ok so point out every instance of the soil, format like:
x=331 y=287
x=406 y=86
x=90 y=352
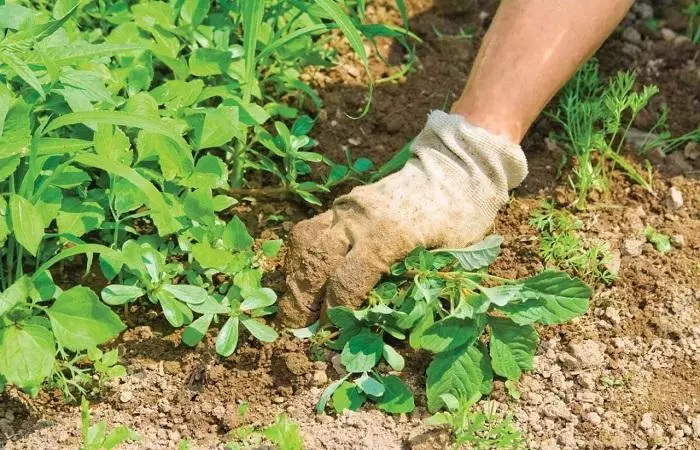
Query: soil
x=623 y=376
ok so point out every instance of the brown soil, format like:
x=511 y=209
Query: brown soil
x=624 y=376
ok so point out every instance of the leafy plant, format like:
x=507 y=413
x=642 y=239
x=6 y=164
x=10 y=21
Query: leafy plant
x=476 y=324
x=284 y=434
x=595 y=119
x=125 y=130
x=561 y=245
x=97 y=437
x=479 y=429
x=660 y=241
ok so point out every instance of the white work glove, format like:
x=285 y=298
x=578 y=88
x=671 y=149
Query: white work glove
x=446 y=196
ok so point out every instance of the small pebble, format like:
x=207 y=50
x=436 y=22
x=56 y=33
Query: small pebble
x=678 y=240
x=126 y=396
x=646 y=422
x=668 y=34
x=632 y=35
x=675 y=198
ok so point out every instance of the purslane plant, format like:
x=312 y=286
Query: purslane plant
x=477 y=325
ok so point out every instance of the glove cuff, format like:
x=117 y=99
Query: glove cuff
x=500 y=160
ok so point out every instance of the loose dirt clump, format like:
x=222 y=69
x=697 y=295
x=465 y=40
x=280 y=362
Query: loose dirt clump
x=623 y=376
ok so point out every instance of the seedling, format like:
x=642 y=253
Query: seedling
x=477 y=325
x=660 y=241
x=97 y=437
x=479 y=429
x=561 y=245
x=595 y=120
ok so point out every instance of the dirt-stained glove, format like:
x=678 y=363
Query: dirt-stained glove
x=446 y=196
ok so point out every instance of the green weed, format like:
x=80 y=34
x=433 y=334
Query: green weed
x=477 y=325
x=693 y=28
x=478 y=429
x=660 y=241
x=561 y=245
x=595 y=119
x=127 y=131
x=98 y=437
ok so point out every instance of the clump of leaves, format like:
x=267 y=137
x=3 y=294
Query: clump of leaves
x=98 y=437
x=660 y=241
x=479 y=429
x=595 y=119
x=284 y=434
x=562 y=246
x=477 y=325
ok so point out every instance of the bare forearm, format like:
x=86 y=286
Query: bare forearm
x=531 y=49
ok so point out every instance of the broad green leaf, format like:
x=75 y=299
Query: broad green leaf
x=175 y=312
x=209 y=173
x=550 y=298
x=397 y=396
x=79 y=52
x=209 y=257
x=393 y=358
x=450 y=333
x=227 y=340
x=22 y=70
x=71 y=177
x=26 y=355
x=416 y=337
x=258 y=329
x=174 y=161
x=195 y=331
x=478 y=255
x=236 y=236
x=126 y=197
x=362 y=352
x=206 y=62
x=13 y=16
x=16 y=293
x=342 y=317
x=27 y=223
x=520 y=341
x=16 y=131
x=8 y=166
x=177 y=94
x=459 y=372
x=199 y=207
x=326 y=395
x=259 y=298
x=370 y=386
x=348 y=396
x=160 y=210
x=49 y=203
x=194 y=11
x=113 y=144
x=119 y=118
x=271 y=248
x=210 y=306
x=187 y=293
x=119 y=294
x=248 y=281
x=78 y=217
x=80 y=321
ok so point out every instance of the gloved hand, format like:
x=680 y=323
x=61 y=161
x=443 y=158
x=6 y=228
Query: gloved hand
x=446 y=196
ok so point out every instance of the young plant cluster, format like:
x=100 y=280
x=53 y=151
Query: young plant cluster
x=595 y=119
x=477 y=326
x=125 y=129
x=561 y=245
